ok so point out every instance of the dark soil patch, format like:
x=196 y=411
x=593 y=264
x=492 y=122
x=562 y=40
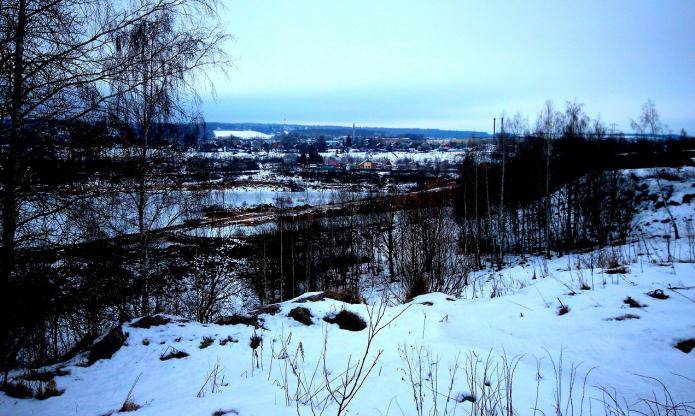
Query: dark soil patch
x=301 y=315
x=563 y=310
x=688 y=198
x=426 y=303
x=150 y=321
x=584 y=286
x=686 y=345
x=632 y=303
x=250 y=320
x=658 y=294
x=107 y=346
x=347 y=320
x=173 y=353
x=624 y=317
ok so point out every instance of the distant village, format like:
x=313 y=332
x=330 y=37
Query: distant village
x=340 y=153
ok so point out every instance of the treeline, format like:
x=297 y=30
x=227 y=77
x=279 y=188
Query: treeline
x=559 y=187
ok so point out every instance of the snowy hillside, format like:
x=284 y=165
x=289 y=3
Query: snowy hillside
x=241 y=134
x=607 y=331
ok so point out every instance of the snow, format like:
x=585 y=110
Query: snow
x=630 y=357
x=241 y=134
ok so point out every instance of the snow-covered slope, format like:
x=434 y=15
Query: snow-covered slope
x=614 y=341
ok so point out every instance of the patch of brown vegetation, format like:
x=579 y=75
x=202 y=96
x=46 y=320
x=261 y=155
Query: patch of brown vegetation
x=206 y=342
x=17 y=390
x=416 y=288
x=45 y=375
x=658 y=294
x=231 y=339
x=49 y=389
x=255 y=341
x=686 y=345
x=301 y=315
x=623 y=317
x=632 y=303
x=107 y=346
x=342 y=295
x=129 y=406
x=150 y=321
x=617 y=270
x=225 y=412
x=267 y=309
x=250 y=320
x=562 y=310
x=173 y=353
x=347 y=320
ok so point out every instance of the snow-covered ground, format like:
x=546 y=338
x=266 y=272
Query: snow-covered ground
x=452 y=353
x=241 y=134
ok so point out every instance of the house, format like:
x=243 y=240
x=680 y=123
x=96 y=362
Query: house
x=331 y=164
x=366 y=165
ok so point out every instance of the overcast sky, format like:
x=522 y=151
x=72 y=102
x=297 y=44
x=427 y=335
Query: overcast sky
x=455 y=63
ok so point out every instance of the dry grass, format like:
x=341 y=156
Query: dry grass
x=206 y=342
x=173 y=353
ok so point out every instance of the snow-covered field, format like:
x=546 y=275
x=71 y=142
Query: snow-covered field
x=614 y=345
x=241 y=134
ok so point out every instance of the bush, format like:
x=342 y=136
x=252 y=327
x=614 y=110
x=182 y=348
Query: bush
x=150 y=321
x=239 y=320
x=347 y=320
x=107 y=346
x=301 y=315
